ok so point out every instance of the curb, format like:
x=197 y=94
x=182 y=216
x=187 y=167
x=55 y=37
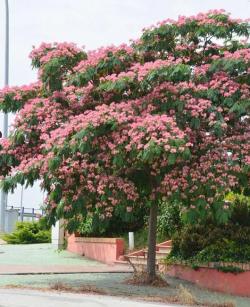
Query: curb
x=64 y=273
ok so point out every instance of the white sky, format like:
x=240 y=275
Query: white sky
x=92 y=23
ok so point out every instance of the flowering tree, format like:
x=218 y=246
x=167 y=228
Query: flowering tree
x=120 y=127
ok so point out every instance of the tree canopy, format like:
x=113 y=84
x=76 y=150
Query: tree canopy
x=165 y=117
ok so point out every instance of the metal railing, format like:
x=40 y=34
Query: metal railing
x=25 y=213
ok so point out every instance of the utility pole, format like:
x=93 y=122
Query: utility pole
x=4 y=196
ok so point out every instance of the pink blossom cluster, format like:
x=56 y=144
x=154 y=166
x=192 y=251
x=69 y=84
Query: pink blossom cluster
x=96 y=56
x=197 y=107
x=94 y=184
x=140 y=71
x=4 y=143
x=238 y=54
x=156 y=129
x=45 y=52
x=20 y=93
x=48 y=115
x=201 y=19
x=210 y=174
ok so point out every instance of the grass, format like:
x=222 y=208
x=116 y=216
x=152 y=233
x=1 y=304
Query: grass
x=183 y=296
x=59 y=286
x=141 y=278
x=186 y=297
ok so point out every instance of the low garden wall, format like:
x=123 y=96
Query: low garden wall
x=211 y=278
x=106 y=250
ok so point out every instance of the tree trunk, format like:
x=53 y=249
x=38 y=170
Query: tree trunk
x=152 y=242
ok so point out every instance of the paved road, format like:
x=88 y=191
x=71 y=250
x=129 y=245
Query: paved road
x=28 y=298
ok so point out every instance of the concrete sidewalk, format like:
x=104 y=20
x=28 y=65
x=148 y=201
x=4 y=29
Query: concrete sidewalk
x=60 y=269
x=45 y=259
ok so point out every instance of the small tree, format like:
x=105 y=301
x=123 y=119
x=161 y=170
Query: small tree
x=166 y=118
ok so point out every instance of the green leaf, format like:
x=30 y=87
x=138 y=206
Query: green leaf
x=195 y=123
x=172 y=158
x=60 y=209
x=118 y=160
x=186 y=153
x=54 y=163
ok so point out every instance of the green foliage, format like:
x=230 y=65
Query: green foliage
x=240 y=209
x=224 y=250
x=163 y=39
x=197 y=244
x=208 y=242
x=229 y=66
x=6 y=162
x=29 y=232
x=10 y=182
x=141 y=238
x=120 y=223
x=43 y=224
x=117 y=62
x=56 y=68
x=218 y=214
x=230 y=269
x=175 y=73
x=169 y=219
x=86 y=227
x=12 y=104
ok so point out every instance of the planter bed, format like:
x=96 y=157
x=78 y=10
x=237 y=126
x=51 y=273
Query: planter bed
x=211 y=278
x=106 y=250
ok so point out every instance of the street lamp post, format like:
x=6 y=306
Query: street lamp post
x=4 y=195
x=21 y=204
x=6 y=75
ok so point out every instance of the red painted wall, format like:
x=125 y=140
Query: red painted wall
x=236 y=284
x=106 y=250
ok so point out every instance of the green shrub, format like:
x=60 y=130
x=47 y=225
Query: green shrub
x=209 y=242
x=241 y=210
x=85 y=228
x=29 y=232
x=169 y=219
x=120 y=223
x=213 y=242
x=43 y=223
x=217 y=241
x=230 y=269
x=225 y=251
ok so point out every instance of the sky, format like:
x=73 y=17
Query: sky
x=89 y=23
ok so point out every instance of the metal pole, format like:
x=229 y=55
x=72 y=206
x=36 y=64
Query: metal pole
x=4 y=195
x=21 y=204
x=6 y=76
